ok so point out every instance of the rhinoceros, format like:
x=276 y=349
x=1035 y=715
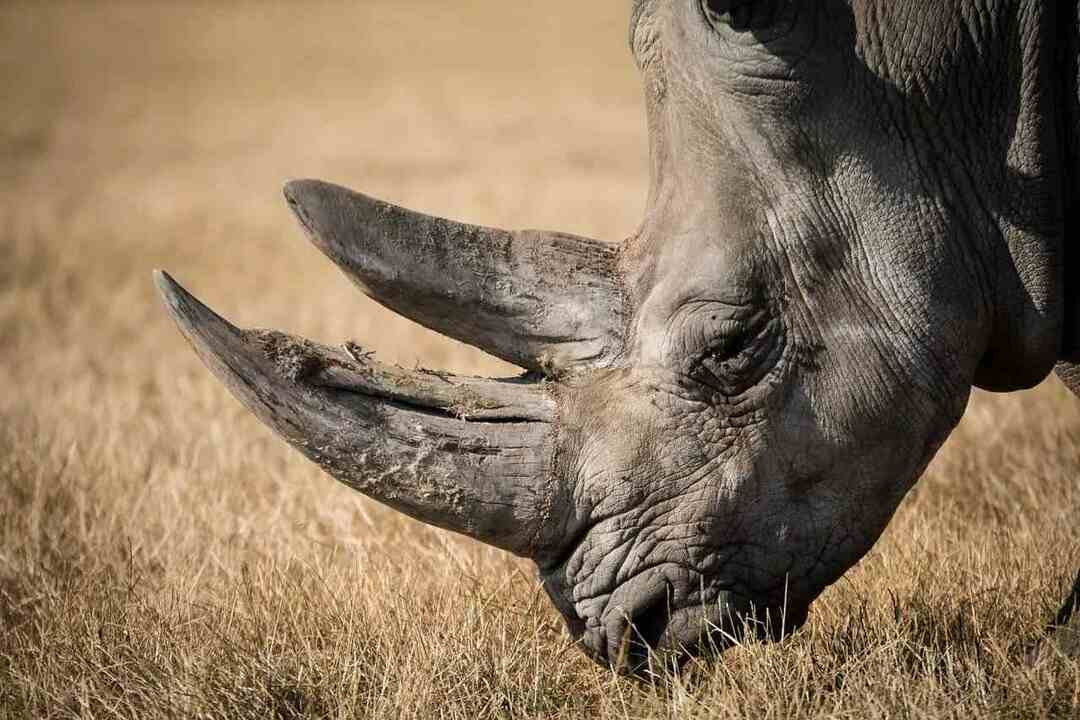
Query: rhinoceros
x=859 y=210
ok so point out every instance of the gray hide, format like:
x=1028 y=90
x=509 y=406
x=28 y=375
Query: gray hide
x=857 y=213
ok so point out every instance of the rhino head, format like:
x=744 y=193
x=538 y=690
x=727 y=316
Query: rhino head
x=856 y=215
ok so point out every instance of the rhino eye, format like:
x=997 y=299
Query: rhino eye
x=736 y=14
x=741 y=15
x=737 y=361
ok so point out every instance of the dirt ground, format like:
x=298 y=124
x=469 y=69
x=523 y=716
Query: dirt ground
x=163 y=555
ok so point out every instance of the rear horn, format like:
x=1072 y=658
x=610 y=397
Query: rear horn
x=547 y=302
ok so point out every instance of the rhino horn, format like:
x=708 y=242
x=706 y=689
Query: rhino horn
x=547 y=302
x=469 y=455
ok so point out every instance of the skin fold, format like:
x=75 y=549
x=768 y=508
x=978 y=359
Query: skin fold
x=857 y=213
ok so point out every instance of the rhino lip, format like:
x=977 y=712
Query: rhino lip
x=653 y=630
x=656 y=633
x=675 y=637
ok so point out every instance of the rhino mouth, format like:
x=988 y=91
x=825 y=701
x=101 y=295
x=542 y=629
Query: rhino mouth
x=658 y=635
x=652 y=621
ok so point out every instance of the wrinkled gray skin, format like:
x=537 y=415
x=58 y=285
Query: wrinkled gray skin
x=858 y=211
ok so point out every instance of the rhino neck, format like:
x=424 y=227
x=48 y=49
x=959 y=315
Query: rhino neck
x=1022 y=192
x=1014 y=167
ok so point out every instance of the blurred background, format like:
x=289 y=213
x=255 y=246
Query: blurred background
x=160 y=549
x=160 y=132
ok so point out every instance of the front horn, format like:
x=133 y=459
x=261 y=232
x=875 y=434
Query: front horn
x=470 y=455
x=547 y=302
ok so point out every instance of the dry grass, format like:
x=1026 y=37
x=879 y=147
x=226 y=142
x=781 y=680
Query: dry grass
x=163 y=555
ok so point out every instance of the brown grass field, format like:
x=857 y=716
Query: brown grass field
x=163 y=555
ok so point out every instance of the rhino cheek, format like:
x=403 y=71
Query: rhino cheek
x=848 y=451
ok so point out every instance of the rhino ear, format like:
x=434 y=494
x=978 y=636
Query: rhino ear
x=1068 y=367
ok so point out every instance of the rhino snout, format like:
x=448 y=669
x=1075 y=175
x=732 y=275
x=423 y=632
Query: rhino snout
x=649 y=637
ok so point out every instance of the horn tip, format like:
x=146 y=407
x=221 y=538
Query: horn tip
x=193 y=317
x=293 y=188
x=304 y=191
x=171 y=291
x=308 y=201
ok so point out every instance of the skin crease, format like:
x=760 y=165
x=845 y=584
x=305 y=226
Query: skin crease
x=855 y=216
